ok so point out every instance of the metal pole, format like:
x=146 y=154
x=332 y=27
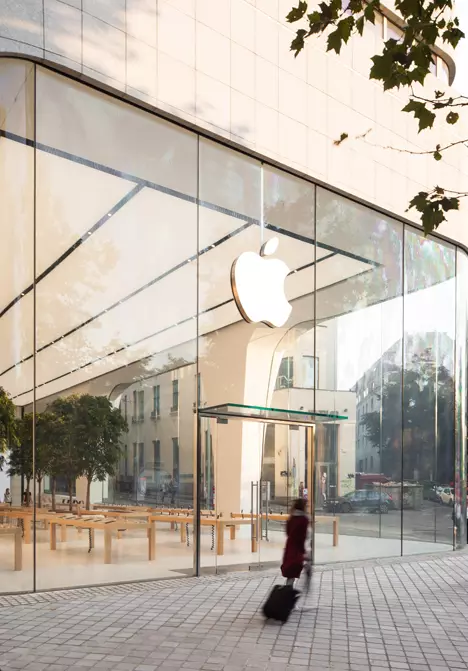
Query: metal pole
x=310 y=445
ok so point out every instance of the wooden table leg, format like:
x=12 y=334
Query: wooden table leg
x=27 y=531
x=107 y=547
x=119 y=535
x=335 y=531
x=183 y=533
x=92 y=538
x=63 y=533
x=152 y=542
x=172 y=526
x=53 y=536
x=232 y=530
x=220 y=543
x=18 y=551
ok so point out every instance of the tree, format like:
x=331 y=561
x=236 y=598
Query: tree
x=421 y=401
x=21 y=452
x=405 y=62
x=67 y=456
x=7 y=423
x=97 y=430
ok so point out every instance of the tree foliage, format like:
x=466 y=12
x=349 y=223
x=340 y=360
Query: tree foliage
x=421 y=400
x=97 y=430
x=7 y=422
x=75 y=436
x=404 y=62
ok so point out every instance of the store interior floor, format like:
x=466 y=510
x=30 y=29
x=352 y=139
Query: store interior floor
x=71 y=565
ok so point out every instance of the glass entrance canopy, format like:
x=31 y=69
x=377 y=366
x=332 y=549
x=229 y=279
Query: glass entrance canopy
x=257 y=413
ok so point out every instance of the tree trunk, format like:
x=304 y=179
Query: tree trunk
x=88 y=493
x=39 y=491
x=28 y=484
x=53 y=489
x=70 y=494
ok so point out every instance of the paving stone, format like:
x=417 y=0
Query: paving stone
x=396 y=615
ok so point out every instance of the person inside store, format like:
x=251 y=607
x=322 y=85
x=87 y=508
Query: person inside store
x=7 y=497
x=295 y=550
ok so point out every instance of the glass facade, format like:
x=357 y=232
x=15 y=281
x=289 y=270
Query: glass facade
x=118 y=327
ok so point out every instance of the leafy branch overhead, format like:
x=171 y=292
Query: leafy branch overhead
x=404 y=61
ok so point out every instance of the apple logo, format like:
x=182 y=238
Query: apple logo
x=258 y=286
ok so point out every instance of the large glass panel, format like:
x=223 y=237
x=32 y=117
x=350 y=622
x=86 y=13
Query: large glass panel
x=428 y=394
x=461 y=392
x=16 y=324
x=116 y=332
x=358 y=352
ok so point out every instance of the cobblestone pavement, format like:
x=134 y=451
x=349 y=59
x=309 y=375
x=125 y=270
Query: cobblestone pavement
x=402 y=614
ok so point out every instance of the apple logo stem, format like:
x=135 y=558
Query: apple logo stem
x=258 y=286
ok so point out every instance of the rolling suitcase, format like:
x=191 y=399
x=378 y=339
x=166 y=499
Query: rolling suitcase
x=280 y=602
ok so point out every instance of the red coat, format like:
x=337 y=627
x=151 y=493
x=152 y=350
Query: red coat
x=294 y=552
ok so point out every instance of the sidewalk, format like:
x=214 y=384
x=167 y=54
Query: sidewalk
x=397 y=614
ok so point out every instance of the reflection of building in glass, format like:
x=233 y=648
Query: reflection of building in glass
x=382 y=401
x=120 y=226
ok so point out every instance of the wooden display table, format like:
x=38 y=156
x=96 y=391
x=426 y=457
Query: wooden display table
x=219 y=523
x=17 y=543
x=107 y=526
x=26 y=515
x=279 y=517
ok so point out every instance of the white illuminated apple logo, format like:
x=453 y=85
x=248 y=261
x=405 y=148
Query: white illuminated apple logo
x=258 y=286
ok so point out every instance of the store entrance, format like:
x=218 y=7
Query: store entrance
x=252 y=463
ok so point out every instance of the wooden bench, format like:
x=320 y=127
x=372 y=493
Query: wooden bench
x=18 y=545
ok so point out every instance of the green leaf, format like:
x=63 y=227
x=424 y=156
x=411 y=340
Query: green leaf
x=297 y=44
x=437 y=155
x=433 y=207
x=360 y=25
x=334 y=41
x=424 y=116
x=452 y=117
x=369 y=13
x=297 y=13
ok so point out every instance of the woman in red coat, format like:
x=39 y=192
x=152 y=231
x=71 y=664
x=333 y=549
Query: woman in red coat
x=294 y=552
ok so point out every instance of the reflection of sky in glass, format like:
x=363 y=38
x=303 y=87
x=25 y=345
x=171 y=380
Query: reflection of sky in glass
x=363 y=336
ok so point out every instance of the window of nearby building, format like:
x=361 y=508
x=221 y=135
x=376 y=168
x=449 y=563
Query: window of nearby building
x=135 y=407
x=135 y=459
x=361 y=465
x=309 y=371
x=175 y=395
x=156 y=401
x=285 y=379
x=175 y=459
x=141 y=456
x=157 y=454
x=125 y=402
x=372 y=464
x=141 y=404
x=126 y=460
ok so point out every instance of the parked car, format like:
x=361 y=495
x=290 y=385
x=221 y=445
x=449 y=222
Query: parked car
x=447 y=496
x=362 y=499
x=434 y=494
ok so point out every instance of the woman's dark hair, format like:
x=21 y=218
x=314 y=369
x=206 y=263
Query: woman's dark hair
x=299 y=504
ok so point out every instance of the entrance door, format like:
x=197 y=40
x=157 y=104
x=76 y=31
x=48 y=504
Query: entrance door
x=251 y=472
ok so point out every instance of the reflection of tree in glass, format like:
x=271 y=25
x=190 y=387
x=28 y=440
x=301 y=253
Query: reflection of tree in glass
x=427 y=403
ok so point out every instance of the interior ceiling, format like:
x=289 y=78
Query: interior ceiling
x=116 y=271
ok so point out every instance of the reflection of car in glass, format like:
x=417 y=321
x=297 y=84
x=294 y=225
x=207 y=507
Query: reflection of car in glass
x=434 y=494
x=447 y=496
x=362 y=499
